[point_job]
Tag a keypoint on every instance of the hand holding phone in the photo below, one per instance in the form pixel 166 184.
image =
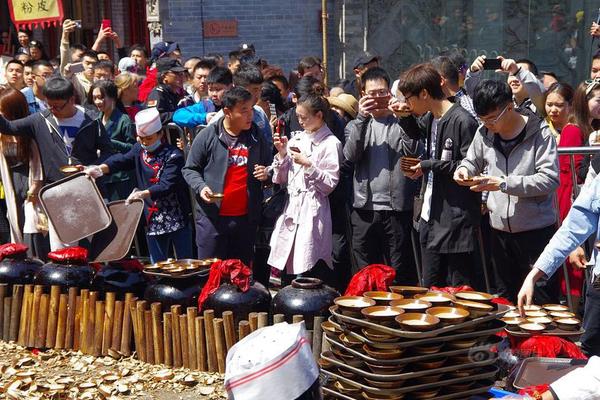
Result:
pixel 106 23
pixel 382 102
pixel 295 149
pixel 492 64
pixel 76 67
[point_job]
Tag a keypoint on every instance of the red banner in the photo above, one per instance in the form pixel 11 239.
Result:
pixel 31 13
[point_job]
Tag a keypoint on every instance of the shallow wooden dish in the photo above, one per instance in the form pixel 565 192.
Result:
pixel 436 298
pixel 381 314
pixel 568 324
pixel 418 322
pixel 351 305
pixel 475 309
pixel 474 296
pixel 411 305
pixel 409 291
pixel 449 315
pixel 383 354
pixel 383 298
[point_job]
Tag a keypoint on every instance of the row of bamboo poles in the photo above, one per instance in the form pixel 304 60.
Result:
pixel 38 317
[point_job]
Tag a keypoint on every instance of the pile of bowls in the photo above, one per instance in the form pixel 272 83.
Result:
pixel 177 268
pixel 540 319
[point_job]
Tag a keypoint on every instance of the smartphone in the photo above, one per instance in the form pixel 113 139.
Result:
pixel 76 67
pixel 77 23
pixel 382 102
pixel 492 63
pixel 294 148
pixel 272 109
pixel 106 23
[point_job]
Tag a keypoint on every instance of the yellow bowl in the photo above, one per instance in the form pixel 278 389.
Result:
pixel 383 298
pixel 449 315
pixel 437 298
pixel 417 322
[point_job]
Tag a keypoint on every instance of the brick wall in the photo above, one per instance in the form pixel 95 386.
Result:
pixel 282 31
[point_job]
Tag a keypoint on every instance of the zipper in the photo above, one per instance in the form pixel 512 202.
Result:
pixel 508 202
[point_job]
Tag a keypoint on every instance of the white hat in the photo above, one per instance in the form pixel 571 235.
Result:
pixel 275 362
pixel 147 122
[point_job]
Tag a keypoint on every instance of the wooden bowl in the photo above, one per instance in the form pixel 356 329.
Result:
pixel 475 309
pixel 346 388
pixel 568 324
pixel 383 298
pixel 562 314
pixel 350 341
pixel 411 305
pixel 459 387
pixel 351 305
pixel 512 314
pixel 425 394
pixel 417 322
pixel 346 373
pixel 427 348
pixel 385 369
pixel 431 364
pixel 449 315
pixel 513 323
pixel 532 328
pixel 372 396
pixel 535 314
pixel 474 296
pixel 437 298
pixel 324 364
pixel 378 336
pixel 555 307
pixel 383 354
pixel 352 360
pixel 539 320
pixel 384 384
pixel 409 291
pixel 462 343
pixel 532 307
pixel 380 314
pixel 428 379
pixel 329 327
pixel 152 268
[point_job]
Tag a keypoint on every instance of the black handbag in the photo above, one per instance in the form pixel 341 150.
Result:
pixel 273 206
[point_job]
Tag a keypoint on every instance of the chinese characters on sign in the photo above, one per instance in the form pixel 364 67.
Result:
pixel 220 28
pixel 29 13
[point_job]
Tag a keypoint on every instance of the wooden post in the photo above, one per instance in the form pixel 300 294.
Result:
pixel 115 341
pixel 25 313
pixel 85 317
pixel 6 318
pixel 297 318
pixel 91 325
pixel 263 319
pixel 15 312
pixel 71 311
pixel 109 315
pixel 78 320
pixel 168 338
pixel 157 334
pixel 185 349
pixel 220 343
pixel 126 330
pixel 209 333
pixel 229 327
pixel 40 335
pixel 135 327
pixel 244 327
pixel 192 313
pixel 200 343
pixel 148 338
pixel 3 292
pixel 278 318
pixel 52 317
pixel 35 309
pixel 140 321
pixel 176 312
pixel 253 319
pixel 63 304
pixel 98 328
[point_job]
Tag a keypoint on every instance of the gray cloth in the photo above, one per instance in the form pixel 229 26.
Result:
pixel 531 173
pixel 379 168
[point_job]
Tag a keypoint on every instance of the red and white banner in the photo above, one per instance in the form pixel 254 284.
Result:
pixel 31 13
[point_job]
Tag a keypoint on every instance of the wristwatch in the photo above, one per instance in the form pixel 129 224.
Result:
pixel 503 185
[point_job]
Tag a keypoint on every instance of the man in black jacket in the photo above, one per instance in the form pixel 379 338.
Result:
pixel 65 134
pixel 225 169
pixel 449 212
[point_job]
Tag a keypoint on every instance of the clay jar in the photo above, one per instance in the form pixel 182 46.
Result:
pixel 229 297
pixel 65 275
pixel 172 291
pixel 309 297
pixel 115 278
pixel 18 269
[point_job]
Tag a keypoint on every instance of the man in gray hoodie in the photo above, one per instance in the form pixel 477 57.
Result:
pixel 520 153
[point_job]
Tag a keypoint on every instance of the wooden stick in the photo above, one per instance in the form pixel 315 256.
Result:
pixel 317 342
pixel 220 343
pixel 85 317
pixel 200 343
pixel 98 328
pixel 63 304
pixel 185 348
pixel 80 319
pixel 297 318
pixel 25 313
pixel 33 321
pixel 209 333
pixel 52 317
pixel 136 334
pixel 15 312
pixel 6 318
pixel 71 312
pixel 168 338
pixel 109 315
pixel 115 341
pixel 148 338
pixel 244 327
pixel 278 318
pixel 253 319
pixel 192 313
pixel 91 325
pixel 40 334
pixel 3 292
pixel 140 321
pixel 126 330
pixel 157 334
pixel 176 312
pixel 229 328
pixel 263 319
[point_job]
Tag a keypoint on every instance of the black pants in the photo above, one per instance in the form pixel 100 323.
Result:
pixel 342 264
pixel 226 238
pixel 590 341
pixel 513 254
pixel 380 237
pixel 444 269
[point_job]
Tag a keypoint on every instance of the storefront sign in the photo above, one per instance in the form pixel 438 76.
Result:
pixel 29 13
pixel 220 28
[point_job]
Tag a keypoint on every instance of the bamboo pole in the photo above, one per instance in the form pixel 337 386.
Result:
pixel 35 309
pixel 91 325
pixel 278 318
pixel 253 319
pixel 200 343
pixel 168 338
pixel 63 304
pixel 109 315
pixel 40 334
pixel 140 321
pixel 176 312
pixel 157 334
pixel 244 327
pixel 15 312
pixel 126 330
pixel 263 319
pixel 148 338
pixel 78 319
pixel 219 344
pixel 85 317
pixel 3 292
pixel 115 341
pixel 98 328
pixel 229 327
pixel 6 318
pixel 52 316
pixel 209 333
pixel 185 349
pixel 71 311
pixel 192 313
pixel 135 327
pixel 25 313
pixel 317 342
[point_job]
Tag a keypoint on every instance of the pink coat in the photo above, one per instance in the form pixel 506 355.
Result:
pixel 302 234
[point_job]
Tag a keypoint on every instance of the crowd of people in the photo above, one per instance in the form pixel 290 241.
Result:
pixel 318 175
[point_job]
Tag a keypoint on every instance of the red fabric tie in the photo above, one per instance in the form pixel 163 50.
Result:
pixel 371 277
pixel 69 255
pixel 237 272
pixel 12 249
pixel 545 346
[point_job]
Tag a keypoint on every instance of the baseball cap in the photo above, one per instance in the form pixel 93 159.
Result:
pixel 162 49
pixel 364 58
pixel 168 64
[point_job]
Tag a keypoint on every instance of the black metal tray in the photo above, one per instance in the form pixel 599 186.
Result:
pixel 75 207
pixel 328 356
pixel 203 272
pixel 535 371
pixel 491 341
pixel 486 373
pixel 555 331
pixel 502 309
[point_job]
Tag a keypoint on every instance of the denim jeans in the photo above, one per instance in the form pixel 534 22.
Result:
pixel 181 240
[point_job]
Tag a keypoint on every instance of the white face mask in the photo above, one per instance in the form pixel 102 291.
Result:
pixel 152 147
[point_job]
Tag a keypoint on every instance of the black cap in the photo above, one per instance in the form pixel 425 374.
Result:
pixel 364 58
pixel 169 64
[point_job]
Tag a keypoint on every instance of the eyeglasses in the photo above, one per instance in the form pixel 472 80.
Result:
pixel 58 108
pixel 379 93
pixel 591 84
pixel 43 76
pixel 488 121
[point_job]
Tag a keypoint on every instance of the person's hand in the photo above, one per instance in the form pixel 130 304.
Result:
pixel 67 71
pixel 595 29
pixel 180 145
pixel 399 107
pixel 260 172
pixel 486 183
pixel 137 195
pixel 116 39
pixel 68 27
pixel 300 158
pixel 508 65
pixel 280 142
pixel 460 175
pixel 93 171
pixel 577 258
pixel 477 65
pixel 366 104
pixel 525 296
pixel 205 194
pixel 417 172
pixel 104 33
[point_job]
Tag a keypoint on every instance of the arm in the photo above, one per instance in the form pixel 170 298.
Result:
pixel 472 78
pixel 166 114
pixel 355 138
pixel 409 147
pixel 473 161
pixel 102 34
pixel 193 171
pixel 68 27
pixel 190 116
pixel 534 88
pixel 124 139
pixel 122 161
pixel 324 175
pixel 18 127
pixel 169 177
pixel 281 168
pixel 545 180
pixel 581 383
